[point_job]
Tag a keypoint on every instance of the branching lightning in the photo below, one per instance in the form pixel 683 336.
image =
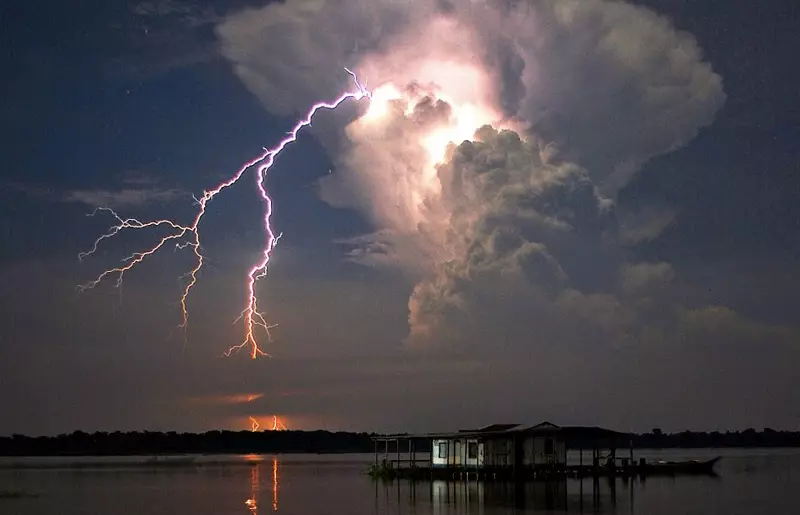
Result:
pixel 277 425
pixel 189 235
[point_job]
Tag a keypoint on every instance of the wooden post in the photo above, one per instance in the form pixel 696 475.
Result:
pixel 397 450
pixel 630 443
pixel 516 440
pixel 614 459
pixel 466 457
pixel 411 453
pixel 463 452
pixel 430 463
pixel 477 459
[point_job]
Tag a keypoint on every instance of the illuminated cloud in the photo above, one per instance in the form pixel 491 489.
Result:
pixel 562 102
pixel 611 83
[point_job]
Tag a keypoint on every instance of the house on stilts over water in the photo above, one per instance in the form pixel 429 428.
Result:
pixel 504 451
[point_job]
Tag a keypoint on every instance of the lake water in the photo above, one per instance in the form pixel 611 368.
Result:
pixel 749 482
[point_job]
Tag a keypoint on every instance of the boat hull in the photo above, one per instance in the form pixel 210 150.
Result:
pixel 682 467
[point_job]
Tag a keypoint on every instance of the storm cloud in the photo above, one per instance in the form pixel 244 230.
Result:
pixel 519 225
pixel 513 240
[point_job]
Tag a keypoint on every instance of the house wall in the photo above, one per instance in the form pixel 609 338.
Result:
pixel 499 452
pixel 536 451
pixel 456 453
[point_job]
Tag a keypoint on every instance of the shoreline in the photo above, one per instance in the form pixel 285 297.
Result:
pixel 370 453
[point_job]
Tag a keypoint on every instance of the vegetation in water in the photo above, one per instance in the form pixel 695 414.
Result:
pixel 380 471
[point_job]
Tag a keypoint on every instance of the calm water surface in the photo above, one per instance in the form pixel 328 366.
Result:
pixel 750 482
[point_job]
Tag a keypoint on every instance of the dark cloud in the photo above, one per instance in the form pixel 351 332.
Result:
pixel 519 227
pixel 516 224
pixel 124 198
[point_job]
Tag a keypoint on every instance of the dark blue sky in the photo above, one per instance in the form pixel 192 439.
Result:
pixel 98 92
pixel 107 96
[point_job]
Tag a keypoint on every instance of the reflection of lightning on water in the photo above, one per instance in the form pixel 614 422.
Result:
pixel 274 484
pixel 184 236
pixel 252 502
pixel 255 485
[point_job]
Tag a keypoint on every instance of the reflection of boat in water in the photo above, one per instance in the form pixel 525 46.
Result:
pixel 681 467
pixel 170 461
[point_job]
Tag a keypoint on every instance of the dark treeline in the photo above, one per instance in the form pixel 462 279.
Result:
pixel 212 442
pixel 657 439
pixel 242 442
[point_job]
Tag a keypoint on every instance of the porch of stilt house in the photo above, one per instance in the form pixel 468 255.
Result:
pixel 391 452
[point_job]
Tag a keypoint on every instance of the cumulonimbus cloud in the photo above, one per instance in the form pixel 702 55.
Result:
pixel 567 99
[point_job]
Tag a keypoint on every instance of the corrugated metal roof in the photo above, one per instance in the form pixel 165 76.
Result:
pixel 582 433
pixel 490 428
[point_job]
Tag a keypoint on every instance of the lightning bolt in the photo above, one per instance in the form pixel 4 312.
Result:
pixel 188 236
pixel 277 425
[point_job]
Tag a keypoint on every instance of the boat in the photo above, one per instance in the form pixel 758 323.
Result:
pixel 682 467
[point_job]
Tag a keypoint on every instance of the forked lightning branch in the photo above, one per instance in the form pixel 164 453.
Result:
pixel 183 236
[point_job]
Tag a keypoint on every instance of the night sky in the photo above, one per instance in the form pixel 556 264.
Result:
pixel 687 320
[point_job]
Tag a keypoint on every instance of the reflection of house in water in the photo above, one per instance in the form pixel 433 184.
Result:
pixel 540 495
pixel 442 497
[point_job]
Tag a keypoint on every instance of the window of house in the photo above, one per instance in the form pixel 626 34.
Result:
pixel 442 449
pixel 548 446
pixel 472 450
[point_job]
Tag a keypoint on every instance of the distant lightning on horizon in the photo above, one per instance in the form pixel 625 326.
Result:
pixel 277 424
pixel 189 235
